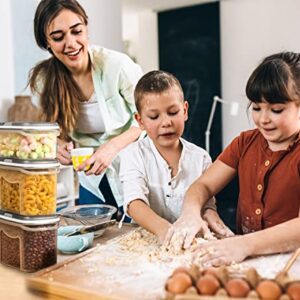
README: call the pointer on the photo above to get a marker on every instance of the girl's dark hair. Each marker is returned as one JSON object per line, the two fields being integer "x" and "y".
{"x": 155, "y": 82}
{"x": 276, "y": 79}
{"x": 58, "y": 91}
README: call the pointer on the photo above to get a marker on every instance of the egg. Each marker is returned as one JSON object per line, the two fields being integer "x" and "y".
{"x": 293, "y": 290}
{"x": 180, "y": 270}
{"x": 179, "y": 283}
{"x": 268, "y": 290}
{"x": 211, "y": 271}
{"x": 237, "y": 287}
{"x": 208, "y": 284}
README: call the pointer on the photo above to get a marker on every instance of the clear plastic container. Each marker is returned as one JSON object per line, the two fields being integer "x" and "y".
{"x": 28, "y": 245}
{"x": 28, "y": 189}
{"x": 29, "y": 141}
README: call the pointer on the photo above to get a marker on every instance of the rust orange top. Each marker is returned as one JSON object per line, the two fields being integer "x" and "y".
{"x": 269, "y": 182}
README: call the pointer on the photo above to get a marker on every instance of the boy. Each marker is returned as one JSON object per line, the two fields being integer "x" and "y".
{"x": 156, "y": 171}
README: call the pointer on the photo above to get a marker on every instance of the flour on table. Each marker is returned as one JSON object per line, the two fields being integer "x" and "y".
{"x": 124, "y": 266}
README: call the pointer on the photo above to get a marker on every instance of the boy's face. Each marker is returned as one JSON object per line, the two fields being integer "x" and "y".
{"x": 163, "y": 116}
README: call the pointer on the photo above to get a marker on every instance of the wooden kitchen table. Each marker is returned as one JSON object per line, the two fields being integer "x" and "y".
{"x": 75, "y": 277}
{"x": 12, "y": 282}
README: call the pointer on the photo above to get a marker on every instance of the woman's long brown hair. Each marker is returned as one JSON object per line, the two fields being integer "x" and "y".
{"x": 50, "y": 79}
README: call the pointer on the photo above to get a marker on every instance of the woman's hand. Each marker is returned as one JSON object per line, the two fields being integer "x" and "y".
{"x": 63, "y": 151}
{"x": 216, "y": 224}
{"x": 100, "y": 160}
{"x": 222, "y": 252}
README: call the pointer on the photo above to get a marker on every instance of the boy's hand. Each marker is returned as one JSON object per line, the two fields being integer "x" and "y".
{"x": 162, "y": 231}
{"x": 183, "y": 231}
{"x": 216, "y": 224}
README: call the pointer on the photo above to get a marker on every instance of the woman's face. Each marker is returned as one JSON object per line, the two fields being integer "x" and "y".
{"x": 68, "y": 39}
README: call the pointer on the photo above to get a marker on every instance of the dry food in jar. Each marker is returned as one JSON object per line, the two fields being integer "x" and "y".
{"x": 28, "y": 141}
{"x": 28, "y": 193}
{"x": 28, "y": 248}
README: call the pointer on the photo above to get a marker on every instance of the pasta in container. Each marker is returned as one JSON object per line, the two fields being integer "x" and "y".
{"x": 28, "y": 141}
{"x": 28, "y": 189}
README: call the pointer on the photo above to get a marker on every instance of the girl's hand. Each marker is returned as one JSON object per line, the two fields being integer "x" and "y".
{"x": 100, "y": 160}
{"x": 216, "y": 224}
{"x": 222, "y": 252}
{"x": 63, "y": 151}
{"x": 183, "y": 231}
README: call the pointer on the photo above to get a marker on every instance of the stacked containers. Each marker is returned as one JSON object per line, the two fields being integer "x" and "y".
{"x": 28, "y": 177}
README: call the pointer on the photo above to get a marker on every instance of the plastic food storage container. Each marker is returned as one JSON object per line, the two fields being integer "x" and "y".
{"x": 28, "y": 244}
{"x": 30, "y": 141}
{"x": 28, "y": 189}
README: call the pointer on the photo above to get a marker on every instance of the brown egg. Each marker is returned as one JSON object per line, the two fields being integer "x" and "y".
{"x": 211, "y": 271}
{"x": 268, "y": 290}
{"x": 207, "y": 284}
{"x": 237, "y": 287}
{"x": 293, "y": 290}
{"x": 179, "y": 283}
{"x": 180, "y": 270}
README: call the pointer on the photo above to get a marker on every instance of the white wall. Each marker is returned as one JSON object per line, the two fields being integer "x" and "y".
{"x": 25, "y": 52}
{"x": 251, "y": 30}
{"x": 140, "y": 32}
{"x": 105, "y": 22}
{"x": 6, "y": 60}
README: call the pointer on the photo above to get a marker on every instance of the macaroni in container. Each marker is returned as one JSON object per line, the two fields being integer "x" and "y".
{"x": 27, "y": 188}
{"x": 28, "y": 244}
{"x": 28, "y": 141}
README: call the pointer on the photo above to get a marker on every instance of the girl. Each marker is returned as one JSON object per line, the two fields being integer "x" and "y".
{"x": 267, "y": 161}
{"x": 87, "y": 90}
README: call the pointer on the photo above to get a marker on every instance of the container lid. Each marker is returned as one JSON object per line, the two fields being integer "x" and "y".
{"x": 30, "y": 221}
{"x": 29, "y": 126}
{"x": 29, "y": 164}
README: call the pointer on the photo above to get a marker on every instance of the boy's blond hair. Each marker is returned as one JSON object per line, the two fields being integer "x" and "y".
{"x": 155, "y": 82}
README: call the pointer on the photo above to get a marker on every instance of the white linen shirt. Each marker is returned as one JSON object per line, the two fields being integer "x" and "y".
{"x": 145, "y": 175}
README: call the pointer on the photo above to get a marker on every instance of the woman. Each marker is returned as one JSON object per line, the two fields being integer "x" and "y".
{"x": 87, "y": 90}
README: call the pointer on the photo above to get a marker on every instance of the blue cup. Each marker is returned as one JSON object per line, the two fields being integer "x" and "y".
{"x": 73, "y": 244}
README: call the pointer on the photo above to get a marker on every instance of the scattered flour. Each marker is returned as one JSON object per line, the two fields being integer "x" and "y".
{"x": 136, "y": 266}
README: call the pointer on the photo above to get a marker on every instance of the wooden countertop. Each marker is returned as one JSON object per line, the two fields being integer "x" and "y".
{"x": 13, "y": 285}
